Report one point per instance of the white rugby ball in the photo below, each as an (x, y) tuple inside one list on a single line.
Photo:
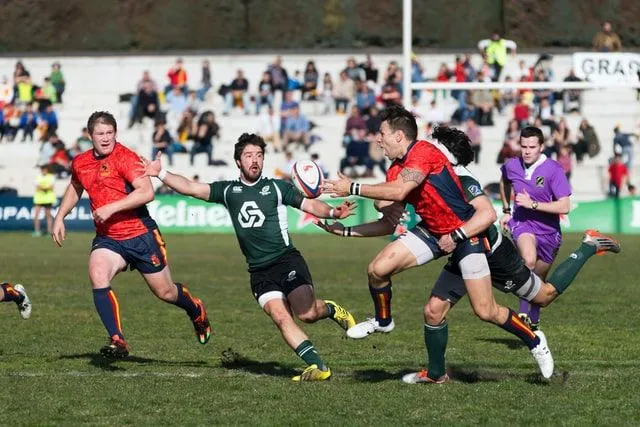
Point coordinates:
[(307, 177)]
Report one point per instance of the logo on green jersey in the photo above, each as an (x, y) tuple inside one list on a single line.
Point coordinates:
[(250, 215)]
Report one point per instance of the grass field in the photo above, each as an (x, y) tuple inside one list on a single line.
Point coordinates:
[(50, 372)]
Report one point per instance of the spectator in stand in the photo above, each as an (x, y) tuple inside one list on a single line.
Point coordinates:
[(11, 122), (238, 93), (564, 159), (571, 102), (286, 109), (470, 73), (376, 153), (269, 128), (310, 82), (370, 70), (618, 175), (265, 92), (391, 94), (279, 76), (540, 94), (521, 112), (365, 97), (28, 123), (20, 73), (434, 114), (417, 75), (193, 102), (357, 154), (295, 83), (443, 76), (354, 72), (496, 49), (483, 100), (511, 144), (392, 72), (146, 77), (343, 92), (373, 121), (162, 141), (507, 96), (523, 72), (44, 198), (207, 129), (47, 149), (285, 171), (623, 144), (82, 144), (186, 129), (6, 92), (545, 113), (297, 129), (177, 77), (147, 102), (45, 95), (327, 93), (24, 91), (205, 80), (57, 80), (475, 136), (60, 161), (49, 117), (177, 102), (587, 143), (315, 158), (606, 40), (560, 137), (355, 121)]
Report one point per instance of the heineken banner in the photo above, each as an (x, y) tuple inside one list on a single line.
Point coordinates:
[(177, 214)]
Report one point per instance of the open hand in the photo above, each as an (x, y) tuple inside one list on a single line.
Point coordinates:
[(344, 209), (337, 187)]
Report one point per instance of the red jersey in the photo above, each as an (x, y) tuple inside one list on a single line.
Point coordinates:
[(107, 179), (439, 200), (617, 171)]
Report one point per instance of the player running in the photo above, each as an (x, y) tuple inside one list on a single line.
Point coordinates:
[(18, 294), (280, 279), (126, 236), (542, 195), (508, 270), (421, 175)]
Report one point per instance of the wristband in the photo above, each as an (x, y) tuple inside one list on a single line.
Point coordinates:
[(162, 174), (458, 235), (506, 210), (331, 213), (346, 232), (354, 189)]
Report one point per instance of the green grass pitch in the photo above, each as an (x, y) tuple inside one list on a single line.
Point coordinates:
[(50, 373)]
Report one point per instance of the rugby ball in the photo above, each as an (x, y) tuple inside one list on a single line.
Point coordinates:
[(307, 177)]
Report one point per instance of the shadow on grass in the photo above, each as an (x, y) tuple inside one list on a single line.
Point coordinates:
[(232, 360), (470, 376), (379, 375), (99, 361), (510, 343)]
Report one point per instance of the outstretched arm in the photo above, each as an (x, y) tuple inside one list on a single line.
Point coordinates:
[(181, 184), (396, 190), (392, 214), (321, 209)]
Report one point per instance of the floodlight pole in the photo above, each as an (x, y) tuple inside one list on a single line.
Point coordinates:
[(406, 53)]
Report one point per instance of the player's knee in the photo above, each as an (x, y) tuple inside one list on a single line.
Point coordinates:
[(377, 273), (486, 312), (530, 262), (309, 316), (166, 294), (434, 313)]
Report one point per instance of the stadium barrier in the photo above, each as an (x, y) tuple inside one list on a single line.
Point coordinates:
[(175, 214)]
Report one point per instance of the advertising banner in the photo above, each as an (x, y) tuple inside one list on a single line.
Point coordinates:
[(607, 67)]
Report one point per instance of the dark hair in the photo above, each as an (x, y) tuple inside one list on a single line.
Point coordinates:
[(530, 131), (103, 117), (400, 119), (247, 139), (456, 141)]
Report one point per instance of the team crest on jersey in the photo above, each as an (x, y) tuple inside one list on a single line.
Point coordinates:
[(236, 189), (155, 260), (539, 181), (104, 170), (265, 191), (291, 276), (475, 190)]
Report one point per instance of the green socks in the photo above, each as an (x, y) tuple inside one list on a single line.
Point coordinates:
[(435, 338), (307, 352), (567, 271)]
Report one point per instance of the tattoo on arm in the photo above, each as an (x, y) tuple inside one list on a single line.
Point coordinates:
[(412, 175)]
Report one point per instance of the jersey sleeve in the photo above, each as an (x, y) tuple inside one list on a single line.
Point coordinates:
[(290, 194), (216, 192), (505, 171), (560, 186), (130, 166), (471, 187), (420, 159)]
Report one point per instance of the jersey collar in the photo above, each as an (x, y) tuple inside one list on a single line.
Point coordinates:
[(408, 150), (251, 184)]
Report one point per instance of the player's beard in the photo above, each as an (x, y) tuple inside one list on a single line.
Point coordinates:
[(252, 174)]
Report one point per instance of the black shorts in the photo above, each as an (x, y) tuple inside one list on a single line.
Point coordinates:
[(146, 253), (280, 278), (44, 205)]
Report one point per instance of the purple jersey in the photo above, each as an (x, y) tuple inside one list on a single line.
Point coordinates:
[(545, 181)]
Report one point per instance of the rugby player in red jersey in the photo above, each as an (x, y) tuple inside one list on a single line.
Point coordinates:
[(126, 236), (423, 176)]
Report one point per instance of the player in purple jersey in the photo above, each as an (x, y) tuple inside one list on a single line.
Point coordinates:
[(541, 195)]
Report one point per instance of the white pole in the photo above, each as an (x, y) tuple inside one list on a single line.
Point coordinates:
[(406, 53)]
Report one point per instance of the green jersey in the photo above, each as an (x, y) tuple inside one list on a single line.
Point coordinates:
[(473, 189), (259, 215)]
